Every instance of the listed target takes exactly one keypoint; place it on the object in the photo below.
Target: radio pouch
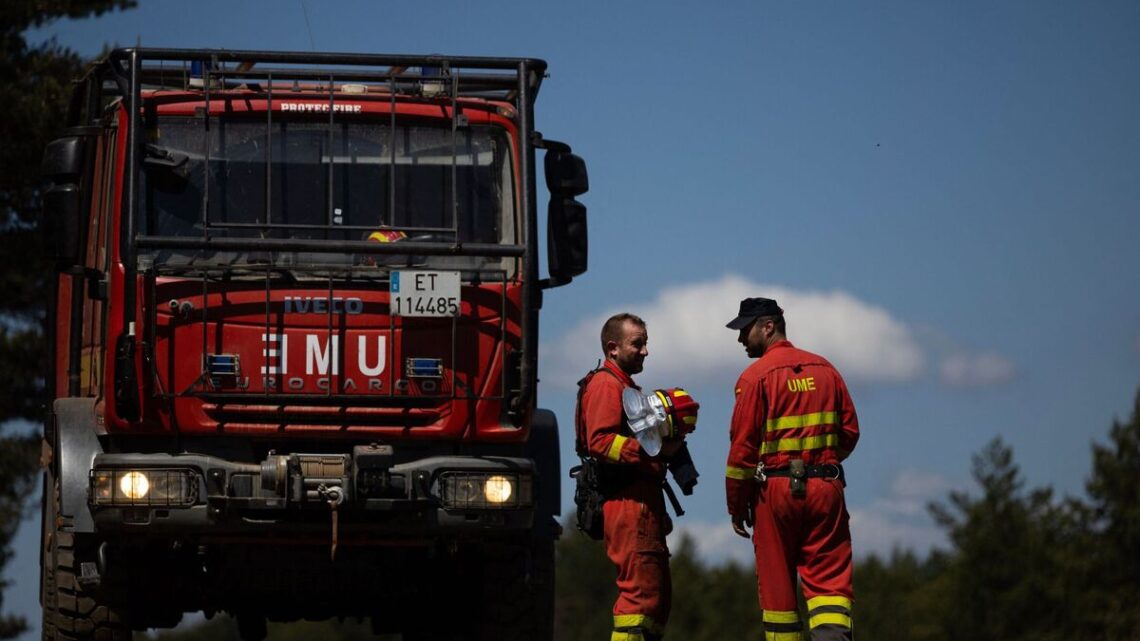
(798, 474)
(588, 498)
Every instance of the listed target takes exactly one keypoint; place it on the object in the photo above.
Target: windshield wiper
(157, 156)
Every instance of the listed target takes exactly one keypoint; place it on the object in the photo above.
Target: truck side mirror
(565, 173)
(63, 165)
(567, 246)
(567, 238)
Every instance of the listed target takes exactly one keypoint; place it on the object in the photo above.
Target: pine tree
(17, 478)
(900, 598)
(1114, 489)
(1010, 547)
(35, 83)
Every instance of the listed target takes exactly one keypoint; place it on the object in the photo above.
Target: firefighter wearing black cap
(793, 423)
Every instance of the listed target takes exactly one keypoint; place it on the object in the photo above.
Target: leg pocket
(651, 531)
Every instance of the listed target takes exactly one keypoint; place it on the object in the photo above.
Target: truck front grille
(245, 416)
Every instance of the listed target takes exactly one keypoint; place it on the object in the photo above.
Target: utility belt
(799, 473)
(614, 478)
(595, 482)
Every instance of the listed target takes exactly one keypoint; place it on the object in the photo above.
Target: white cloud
(900, 519)
(912, 485)
(878, 533)
(687, 337)
(968, 370)
(716, 543)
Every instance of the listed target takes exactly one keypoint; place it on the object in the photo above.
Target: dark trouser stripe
(827, 632)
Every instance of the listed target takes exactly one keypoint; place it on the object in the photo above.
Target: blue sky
(943, 196)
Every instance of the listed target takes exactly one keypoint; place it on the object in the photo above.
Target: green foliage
(1115, 511)
(899, 599)
(22, 358)
(17, 482)
(17, 15)
(1005, 574)
(35, 83)
(1021, 565)
(584, 585)
(712, 603)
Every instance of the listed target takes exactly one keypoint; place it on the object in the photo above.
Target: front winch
(307, 478)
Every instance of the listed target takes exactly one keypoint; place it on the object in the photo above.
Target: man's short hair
(781, 325)
(614, 326)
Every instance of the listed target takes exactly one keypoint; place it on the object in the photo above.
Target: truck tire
(70, 613)
(518, 591)
(252, 627)
(514, 602)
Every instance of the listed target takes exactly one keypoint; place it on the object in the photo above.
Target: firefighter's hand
(671, 446)
(741, 523)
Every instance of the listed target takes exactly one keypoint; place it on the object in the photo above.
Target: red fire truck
(295, 344)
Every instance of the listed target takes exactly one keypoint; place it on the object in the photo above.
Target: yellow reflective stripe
(635, 621)
(803, 420)
(739, 473)
(629, 620)
(669, 415)
(800, 444)
(781, 616)
(820, 601)
(679, 392)
(614, 453)
(783, 636)
(626, 636)
(833, 618)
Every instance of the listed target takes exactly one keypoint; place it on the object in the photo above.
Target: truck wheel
(252, 627)
(515, 600)
(69, 613)
(518, 591)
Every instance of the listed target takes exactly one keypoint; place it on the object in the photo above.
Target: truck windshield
(308, 179)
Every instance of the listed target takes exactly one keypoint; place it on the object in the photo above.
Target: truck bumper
(365, 497)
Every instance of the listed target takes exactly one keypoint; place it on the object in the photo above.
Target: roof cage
(126, 74)
(182, 69)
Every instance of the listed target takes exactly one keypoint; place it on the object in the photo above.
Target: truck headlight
(485, 490)
(143, 487)
(498, 489)
(134, 485)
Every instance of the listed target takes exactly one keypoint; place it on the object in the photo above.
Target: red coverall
(634, 512)
(792, 404)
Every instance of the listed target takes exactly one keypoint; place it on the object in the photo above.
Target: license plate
(423, 293)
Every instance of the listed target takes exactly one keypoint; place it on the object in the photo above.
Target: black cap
(753, 308)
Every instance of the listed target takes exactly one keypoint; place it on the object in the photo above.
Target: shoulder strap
(579, 424)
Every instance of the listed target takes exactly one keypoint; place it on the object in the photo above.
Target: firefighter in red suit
(635, 520)
(793, 424)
